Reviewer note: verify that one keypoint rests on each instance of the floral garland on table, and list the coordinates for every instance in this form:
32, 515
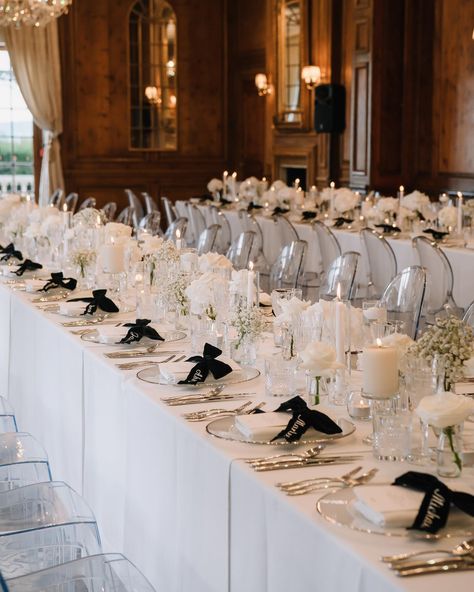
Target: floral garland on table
450, 338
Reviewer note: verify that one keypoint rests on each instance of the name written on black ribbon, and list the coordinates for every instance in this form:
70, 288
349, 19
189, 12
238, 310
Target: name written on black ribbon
140, 329
27, 265
57, 280
205, 364
304, 418
10, 252
434, 510
98, 300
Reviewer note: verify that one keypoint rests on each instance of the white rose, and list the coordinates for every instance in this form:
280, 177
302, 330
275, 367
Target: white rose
405, 213
319, 359
285, 195
277, 185
387, 204
448, 216
269, 197
214, 185
116, 230
291, 308
211, 261
415, 201
444, 410
205, 291
345, 200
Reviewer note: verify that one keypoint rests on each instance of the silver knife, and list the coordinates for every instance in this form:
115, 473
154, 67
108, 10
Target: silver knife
309, 463
235, 397
419, 571
404, 565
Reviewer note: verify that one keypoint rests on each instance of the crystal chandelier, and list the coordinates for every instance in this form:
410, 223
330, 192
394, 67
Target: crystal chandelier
31, 12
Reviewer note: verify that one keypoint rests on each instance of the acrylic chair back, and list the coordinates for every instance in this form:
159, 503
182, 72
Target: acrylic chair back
286, 270
382, 263
342, 272
240, 250
329, 247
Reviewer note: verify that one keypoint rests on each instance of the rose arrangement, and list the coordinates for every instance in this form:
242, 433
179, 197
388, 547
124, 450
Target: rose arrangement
448, 216
345, 200
387, 205
319, 359
415, 202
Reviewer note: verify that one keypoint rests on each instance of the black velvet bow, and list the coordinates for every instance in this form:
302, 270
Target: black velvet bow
304, 418
434, 510
436, 234
388, 228
9, 251
205, 364
98, 300
139, 329
279, 210
338, 222
57, 280
27, 265
253, 206
309, 215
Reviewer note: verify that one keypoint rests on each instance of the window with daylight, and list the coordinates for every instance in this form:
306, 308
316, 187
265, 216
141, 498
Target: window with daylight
16, 133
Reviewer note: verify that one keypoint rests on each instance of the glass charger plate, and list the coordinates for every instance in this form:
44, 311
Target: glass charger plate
337, 507
168, 336
153, 376
224, 428
123, 307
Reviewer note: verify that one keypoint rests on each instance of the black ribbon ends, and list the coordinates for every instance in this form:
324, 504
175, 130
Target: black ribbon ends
9, 251
436, 234
27, 265
278, 210
388, 228
338, 222
205, 364
140, 329
98, 300
253, 206
303, 418
434, 510
308, 215
57, 280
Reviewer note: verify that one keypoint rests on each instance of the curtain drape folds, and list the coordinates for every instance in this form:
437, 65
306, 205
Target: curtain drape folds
34, 54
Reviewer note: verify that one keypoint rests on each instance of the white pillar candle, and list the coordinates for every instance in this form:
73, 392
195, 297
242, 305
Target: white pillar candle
459, 219
179, 240
401, 192
380, 371
250, 286
113, 257
224, 184
332, 186
234, 186
340, 328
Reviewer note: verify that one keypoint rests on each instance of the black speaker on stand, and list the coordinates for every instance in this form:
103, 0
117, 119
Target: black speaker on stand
329, 108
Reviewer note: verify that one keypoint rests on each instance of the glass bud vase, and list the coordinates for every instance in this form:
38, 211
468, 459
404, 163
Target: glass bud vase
316, 388
449, 452
244, 351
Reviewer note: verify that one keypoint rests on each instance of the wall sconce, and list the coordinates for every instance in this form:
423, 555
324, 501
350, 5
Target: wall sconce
152, 93
263, 85
311, 75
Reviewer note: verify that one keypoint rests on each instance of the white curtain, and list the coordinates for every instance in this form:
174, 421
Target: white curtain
34, 54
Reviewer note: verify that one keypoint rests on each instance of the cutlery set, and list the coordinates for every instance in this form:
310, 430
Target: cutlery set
293, 461
138, 364
317, 483
460, 558
213, 413
211, 396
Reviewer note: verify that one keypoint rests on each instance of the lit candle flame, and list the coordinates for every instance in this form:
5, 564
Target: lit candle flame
379, 342
251, 266
401, 188
332, 185
64, 208
339, 291
178, 234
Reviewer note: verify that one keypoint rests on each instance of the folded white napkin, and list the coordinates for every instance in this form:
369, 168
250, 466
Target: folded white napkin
72, 309
173, 372
34, 285
388, 505
111, 334
262, 426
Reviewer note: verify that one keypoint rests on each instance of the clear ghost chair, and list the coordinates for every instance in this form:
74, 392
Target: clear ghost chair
284, 230
169, 210
71, 202
208, 239
23, 461
287, 268
240, 250
56, 199
341, 272
89, 202
329, 247
100, 573
127, 216
381, 259
150, 204
134, 201
110, 210
151, 223
7, 417
440, 278
43, 525
468, 317
179, 224
197, 222
224, 237
403, 298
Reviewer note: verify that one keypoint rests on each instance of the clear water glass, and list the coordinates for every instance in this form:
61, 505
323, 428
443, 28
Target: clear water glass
280, 377
284, 294
392, 436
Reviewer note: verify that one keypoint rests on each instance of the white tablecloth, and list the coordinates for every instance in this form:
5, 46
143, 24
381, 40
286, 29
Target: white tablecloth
462, 260
174, 499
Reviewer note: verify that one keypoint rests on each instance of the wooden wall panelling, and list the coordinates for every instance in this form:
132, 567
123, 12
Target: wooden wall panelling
347, 41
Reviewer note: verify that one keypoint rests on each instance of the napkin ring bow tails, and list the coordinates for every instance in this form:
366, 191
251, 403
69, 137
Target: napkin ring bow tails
434, 510
140, 329
98, 300
27, 265
57, 280
304, 418
9, 251
205, 364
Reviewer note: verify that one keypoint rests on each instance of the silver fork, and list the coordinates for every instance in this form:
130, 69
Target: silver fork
200, 415
343, 481
138, 364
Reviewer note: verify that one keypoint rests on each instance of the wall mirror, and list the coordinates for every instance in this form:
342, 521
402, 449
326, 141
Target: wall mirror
153, 75
289, 52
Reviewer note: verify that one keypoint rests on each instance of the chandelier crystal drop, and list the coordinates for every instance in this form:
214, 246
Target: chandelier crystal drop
33, 13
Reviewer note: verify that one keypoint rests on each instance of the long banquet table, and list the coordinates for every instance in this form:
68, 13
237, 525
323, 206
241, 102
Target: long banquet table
461, 259
177, 501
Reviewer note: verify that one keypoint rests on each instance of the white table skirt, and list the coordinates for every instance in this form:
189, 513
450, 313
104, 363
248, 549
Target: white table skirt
462, 260
175, 500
